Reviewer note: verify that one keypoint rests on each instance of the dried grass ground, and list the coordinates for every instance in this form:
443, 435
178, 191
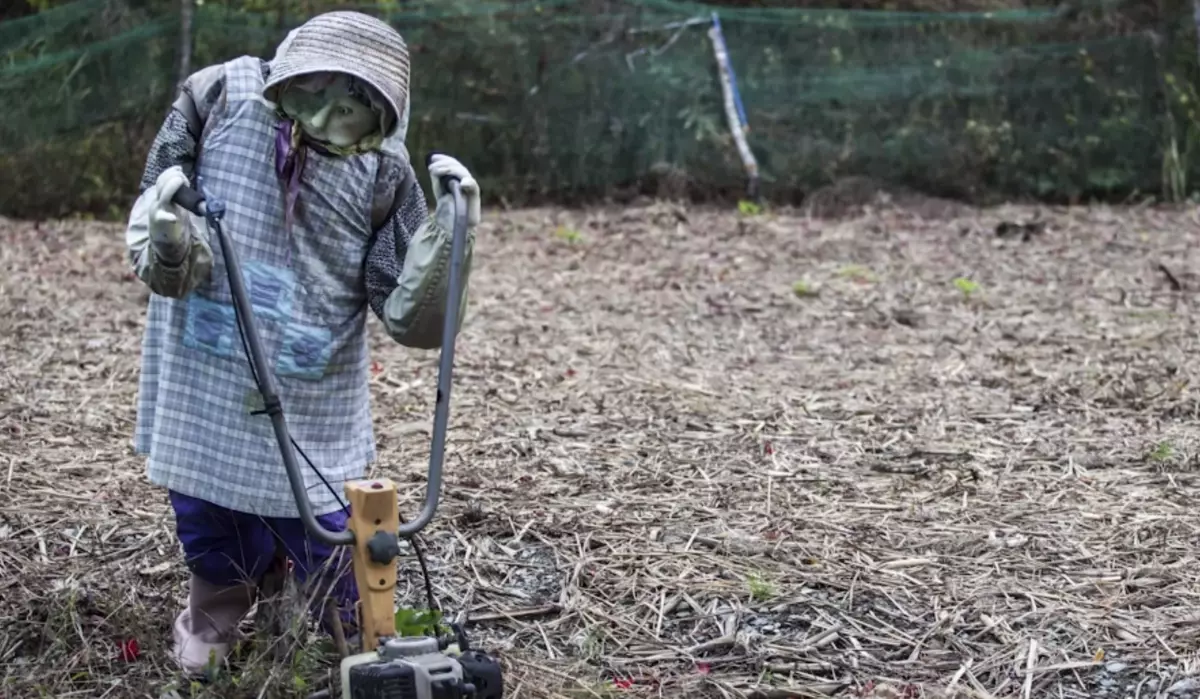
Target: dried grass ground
673, 471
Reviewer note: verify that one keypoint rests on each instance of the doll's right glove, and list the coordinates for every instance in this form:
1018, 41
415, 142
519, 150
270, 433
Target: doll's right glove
167, 233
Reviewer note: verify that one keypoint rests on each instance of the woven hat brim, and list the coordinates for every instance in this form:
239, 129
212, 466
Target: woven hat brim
351, 43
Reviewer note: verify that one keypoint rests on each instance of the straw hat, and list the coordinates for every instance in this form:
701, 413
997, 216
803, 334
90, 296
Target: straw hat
348, 42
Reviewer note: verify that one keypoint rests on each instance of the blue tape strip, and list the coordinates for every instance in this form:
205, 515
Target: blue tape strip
737, 94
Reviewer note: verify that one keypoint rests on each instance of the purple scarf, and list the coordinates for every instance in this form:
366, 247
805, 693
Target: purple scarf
289, 162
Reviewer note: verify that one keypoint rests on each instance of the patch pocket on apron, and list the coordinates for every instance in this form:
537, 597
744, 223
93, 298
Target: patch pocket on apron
305, 352
271, 290
210, 327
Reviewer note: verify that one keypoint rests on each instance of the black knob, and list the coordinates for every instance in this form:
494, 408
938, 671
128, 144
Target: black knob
383, 547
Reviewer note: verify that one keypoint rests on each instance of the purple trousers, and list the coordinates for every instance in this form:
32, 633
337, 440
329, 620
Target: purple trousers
226, 548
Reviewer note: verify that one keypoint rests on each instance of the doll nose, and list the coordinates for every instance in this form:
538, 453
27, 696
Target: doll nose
322, 116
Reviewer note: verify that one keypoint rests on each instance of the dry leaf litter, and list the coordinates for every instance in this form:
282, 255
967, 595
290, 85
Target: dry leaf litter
696, 454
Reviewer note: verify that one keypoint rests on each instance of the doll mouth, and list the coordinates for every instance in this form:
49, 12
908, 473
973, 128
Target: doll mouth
318, 136
326, 136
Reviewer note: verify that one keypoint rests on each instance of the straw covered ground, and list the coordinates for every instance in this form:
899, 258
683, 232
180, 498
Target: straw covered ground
695, 454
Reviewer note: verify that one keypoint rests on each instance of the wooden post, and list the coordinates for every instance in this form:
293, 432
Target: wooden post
373, 508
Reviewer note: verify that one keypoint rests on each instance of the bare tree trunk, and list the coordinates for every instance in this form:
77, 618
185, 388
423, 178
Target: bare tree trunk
187, 14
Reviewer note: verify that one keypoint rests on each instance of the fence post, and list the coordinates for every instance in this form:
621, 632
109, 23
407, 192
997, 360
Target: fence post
735, 113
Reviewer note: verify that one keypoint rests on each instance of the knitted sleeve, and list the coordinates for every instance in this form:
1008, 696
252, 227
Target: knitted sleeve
389, 246
200, 96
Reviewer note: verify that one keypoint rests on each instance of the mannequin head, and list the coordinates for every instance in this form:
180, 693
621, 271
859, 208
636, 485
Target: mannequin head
342, 77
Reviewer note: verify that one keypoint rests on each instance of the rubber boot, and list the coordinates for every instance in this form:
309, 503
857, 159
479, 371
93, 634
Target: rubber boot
205, 629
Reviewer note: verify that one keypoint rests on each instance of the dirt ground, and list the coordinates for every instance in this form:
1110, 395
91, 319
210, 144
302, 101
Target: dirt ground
695, 454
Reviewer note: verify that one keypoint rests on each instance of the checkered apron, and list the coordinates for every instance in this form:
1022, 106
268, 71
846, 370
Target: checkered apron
196, 391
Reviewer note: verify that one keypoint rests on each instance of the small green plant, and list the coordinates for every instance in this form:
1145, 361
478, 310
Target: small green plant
760, 590
748, 208
428, 622
593, 645
966, 286
570, 235
307, 662
857, 273
1163, 452
299, 684
802, 289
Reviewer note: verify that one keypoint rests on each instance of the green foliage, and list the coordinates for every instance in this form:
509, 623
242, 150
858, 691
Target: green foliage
749, 208
568, 235
592, 96
858, 273
412, 622
966, 286
1162, 452
803, 289
760, 590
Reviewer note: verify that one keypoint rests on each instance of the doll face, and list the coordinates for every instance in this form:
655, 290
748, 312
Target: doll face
327, 110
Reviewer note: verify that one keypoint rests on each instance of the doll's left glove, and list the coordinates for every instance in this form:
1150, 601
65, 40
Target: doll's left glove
166, 230
441, 166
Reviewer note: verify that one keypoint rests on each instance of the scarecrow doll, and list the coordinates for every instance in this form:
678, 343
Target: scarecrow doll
307, 152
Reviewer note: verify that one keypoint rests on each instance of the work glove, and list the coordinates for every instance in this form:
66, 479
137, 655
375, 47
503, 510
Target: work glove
440, 166
166, 229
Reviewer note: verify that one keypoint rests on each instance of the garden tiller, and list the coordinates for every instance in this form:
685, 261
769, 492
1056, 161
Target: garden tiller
388, 665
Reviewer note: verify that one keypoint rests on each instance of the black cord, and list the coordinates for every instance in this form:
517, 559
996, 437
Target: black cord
433, 605
416, 546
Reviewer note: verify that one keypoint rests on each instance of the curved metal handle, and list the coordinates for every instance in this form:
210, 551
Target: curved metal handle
441, 416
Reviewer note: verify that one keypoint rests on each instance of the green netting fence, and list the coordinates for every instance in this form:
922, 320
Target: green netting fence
575, 101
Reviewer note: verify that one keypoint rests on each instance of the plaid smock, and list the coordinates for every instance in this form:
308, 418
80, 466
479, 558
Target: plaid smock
310, 285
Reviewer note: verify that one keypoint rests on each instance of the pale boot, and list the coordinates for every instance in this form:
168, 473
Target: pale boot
205, 629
